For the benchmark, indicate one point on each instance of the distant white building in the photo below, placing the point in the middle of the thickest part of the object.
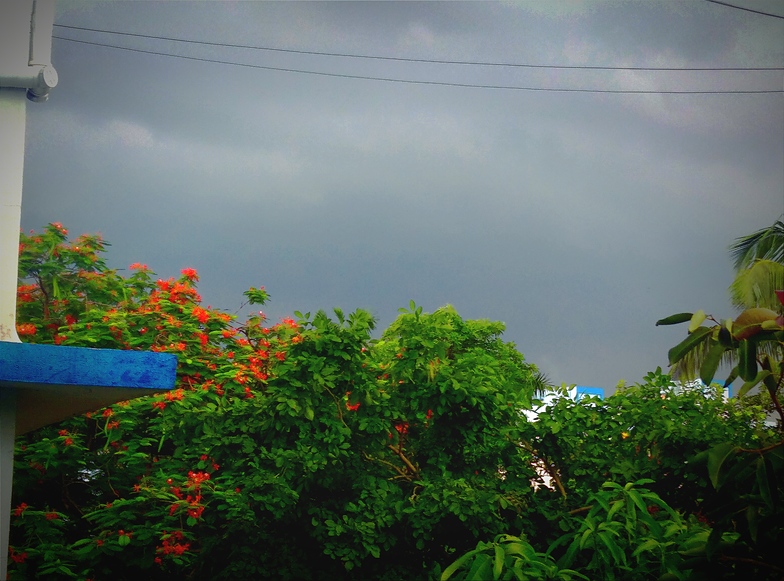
(575, 393)
(698, 384)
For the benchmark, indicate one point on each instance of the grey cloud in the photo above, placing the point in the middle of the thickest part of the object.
(578, 220)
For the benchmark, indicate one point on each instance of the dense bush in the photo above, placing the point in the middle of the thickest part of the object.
(310, 449)
(303, 449)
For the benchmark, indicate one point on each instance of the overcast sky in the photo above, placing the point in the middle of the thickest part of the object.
(576, 218)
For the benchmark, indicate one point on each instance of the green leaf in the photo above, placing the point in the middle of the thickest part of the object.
(716, 458)
(747, 360)
(449, 571)
(770, 383)
(764, 477)
(498, 565)
(648, 545)
(731, 377)
(696, 320)
(618, 557)
(681, 349)
(711, 363)
(481, 568)
(637, 499)
(309, 413)
(750, 384)
(725, 333)
(675, 319)
(616, 506)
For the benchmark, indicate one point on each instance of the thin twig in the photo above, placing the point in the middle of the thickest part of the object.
(751, 562)
(406, 461)
(762, 450)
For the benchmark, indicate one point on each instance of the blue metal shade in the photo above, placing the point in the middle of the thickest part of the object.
(55, 382)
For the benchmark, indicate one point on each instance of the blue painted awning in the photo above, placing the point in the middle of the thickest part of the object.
(582, 390)
(55, 382)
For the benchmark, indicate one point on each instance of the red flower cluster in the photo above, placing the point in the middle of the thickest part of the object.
(290, 323)
(171, 544)
(24, 293)
(200, 314)
(179, 293)
(26, 329)
(193, 508)
(352, 407)
(19, 510)
(196, 478)
(177, 395)
(16, 557)
(59, 227)
(196, 512)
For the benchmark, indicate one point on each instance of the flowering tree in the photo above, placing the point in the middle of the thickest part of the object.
(307, 449)
(300, 449)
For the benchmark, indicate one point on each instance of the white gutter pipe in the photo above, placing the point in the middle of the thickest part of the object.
(25, 71)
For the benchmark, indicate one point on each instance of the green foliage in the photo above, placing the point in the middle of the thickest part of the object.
(307, 449)
(303, 449)
(507, 557)
(755, 286)
(628, 533)
(642, 431)
(631, 533)
(748, 480)
(764, 244)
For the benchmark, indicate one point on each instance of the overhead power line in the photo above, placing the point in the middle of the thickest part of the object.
(728, 5)
(436, 83)
(412, 60)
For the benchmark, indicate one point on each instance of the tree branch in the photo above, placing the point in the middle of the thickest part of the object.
(406, 461)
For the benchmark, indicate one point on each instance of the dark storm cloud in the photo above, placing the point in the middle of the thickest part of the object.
(578, 219)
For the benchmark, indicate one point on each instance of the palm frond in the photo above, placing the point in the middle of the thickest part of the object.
(755, 286)
(542, 384)
(688, 367)
(767, 244)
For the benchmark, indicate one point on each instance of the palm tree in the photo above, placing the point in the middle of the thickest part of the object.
(765, 244)
(759, 264)
(756, 286)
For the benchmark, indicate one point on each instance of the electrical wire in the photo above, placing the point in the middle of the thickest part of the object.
(436, 83)
(413, 60)
(744, 9)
